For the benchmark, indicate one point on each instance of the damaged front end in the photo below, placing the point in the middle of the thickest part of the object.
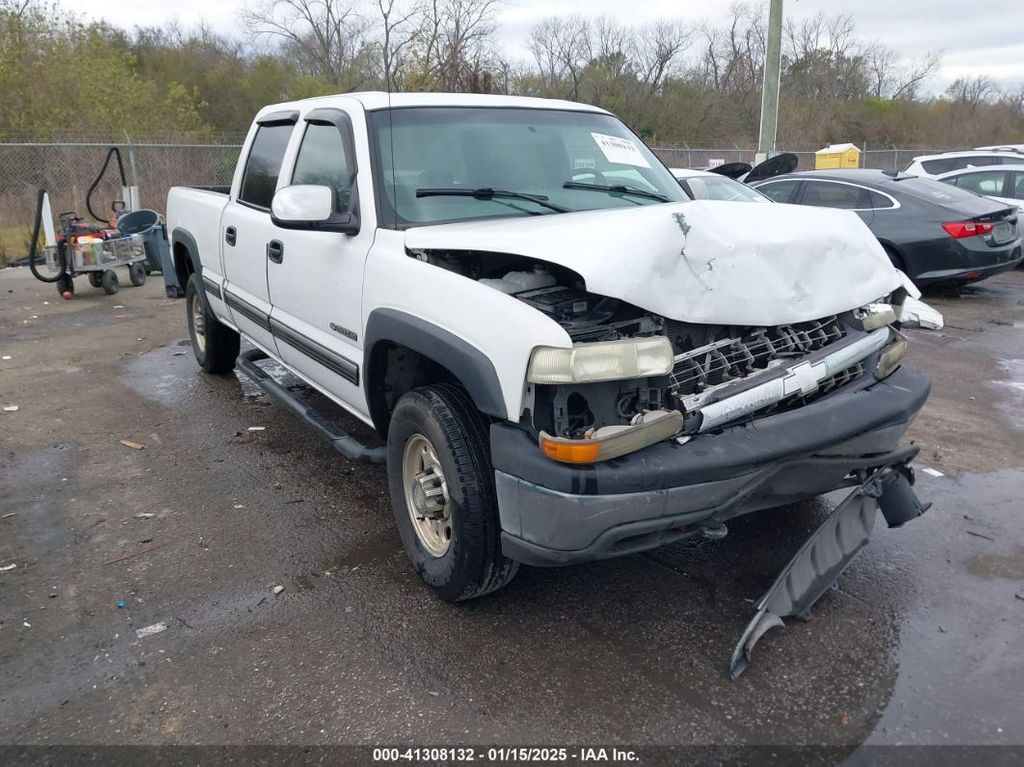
(663, 418)
(830, 550)
(683, 380)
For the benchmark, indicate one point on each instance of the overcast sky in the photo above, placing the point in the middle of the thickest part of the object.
(977, 37)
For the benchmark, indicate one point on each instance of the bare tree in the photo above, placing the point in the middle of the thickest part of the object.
(562, 48)
(453, 42)
(656, 48)
(733, 57)
(833, 34)
(894, 78)
(323, 36)
(972, 91)
(399, 24)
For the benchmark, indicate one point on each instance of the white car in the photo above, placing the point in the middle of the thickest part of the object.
(1003, 183)
(1018, 148)
(933, 165)
(564, 358)
(705, 185)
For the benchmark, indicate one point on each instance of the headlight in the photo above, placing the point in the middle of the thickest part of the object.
(601, 361)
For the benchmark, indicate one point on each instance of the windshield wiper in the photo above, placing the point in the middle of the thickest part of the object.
(616, 189)
(487, 193)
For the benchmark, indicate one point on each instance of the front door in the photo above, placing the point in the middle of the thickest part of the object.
(316, 278)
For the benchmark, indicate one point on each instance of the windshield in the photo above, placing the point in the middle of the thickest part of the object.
(442, 154)
(720, 188)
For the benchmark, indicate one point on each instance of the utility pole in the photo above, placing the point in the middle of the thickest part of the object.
(770, 89)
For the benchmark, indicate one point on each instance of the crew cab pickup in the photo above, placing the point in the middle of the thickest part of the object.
(567, 358)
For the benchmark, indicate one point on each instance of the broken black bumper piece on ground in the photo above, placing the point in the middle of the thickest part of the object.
(830, 550)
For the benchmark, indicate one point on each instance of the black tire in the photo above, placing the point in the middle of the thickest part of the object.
(65, 285)
(473, 564)
(110, 282)
(94, 278)
(218, 350)
(137, 274)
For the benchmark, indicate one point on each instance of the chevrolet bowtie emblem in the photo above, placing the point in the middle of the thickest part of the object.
(803, 378)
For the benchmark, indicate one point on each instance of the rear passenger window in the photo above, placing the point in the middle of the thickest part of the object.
(987, 182)
(322, 161)
(936, 167)
(843, 196)
(264, 164)
(1018, 186)
(880, 201)
(780, 191)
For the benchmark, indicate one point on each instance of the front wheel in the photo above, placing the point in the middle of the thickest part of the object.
(442, 493)
(137, 274)
(109, 282)
(214, 344)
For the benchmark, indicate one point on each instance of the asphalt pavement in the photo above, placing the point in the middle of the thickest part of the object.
(220, 496)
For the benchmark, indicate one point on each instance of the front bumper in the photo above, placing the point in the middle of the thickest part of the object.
(558, 514)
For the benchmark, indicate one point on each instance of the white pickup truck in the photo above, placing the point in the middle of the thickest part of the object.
(567, 358)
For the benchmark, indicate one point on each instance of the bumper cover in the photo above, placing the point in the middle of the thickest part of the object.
(980, 265)
(556, 514)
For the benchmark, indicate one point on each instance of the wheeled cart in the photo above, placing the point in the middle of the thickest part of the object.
(79, 253)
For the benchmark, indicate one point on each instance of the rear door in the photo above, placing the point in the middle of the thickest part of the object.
(246, 229)
(838, 194)
(316, 277)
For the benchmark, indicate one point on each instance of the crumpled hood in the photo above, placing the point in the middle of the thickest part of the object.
(706, 261)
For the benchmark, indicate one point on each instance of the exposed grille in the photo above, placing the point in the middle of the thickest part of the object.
(730, 359)
(831, 383)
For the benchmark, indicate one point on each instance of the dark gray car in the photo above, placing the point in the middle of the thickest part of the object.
(935, 233)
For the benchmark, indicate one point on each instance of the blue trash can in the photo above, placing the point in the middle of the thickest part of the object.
(151, 226)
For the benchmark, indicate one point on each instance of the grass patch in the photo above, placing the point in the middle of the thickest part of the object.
(14, 241)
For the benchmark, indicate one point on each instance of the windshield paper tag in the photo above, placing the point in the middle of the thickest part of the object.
(620, 150)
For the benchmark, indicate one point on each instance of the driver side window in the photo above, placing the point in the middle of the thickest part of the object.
(322, 161)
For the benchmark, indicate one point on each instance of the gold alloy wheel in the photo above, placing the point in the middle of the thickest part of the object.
(426, 495)
(197, 324)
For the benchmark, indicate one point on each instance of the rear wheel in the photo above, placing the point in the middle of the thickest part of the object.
(442, 493)
(214, 344)
(94, 278)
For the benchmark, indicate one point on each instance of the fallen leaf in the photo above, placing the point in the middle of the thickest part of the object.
(132, 445)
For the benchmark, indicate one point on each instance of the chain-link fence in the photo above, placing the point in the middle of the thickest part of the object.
(67, 171)
(700, 157)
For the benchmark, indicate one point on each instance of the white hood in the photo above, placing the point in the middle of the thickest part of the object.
(706, 261)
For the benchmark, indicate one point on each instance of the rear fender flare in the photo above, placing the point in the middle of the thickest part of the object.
(184, 239)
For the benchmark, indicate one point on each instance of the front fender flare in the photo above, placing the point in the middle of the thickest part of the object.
(468, 364)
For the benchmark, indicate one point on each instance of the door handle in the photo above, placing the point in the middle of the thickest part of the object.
(230, 235)
(275, 251)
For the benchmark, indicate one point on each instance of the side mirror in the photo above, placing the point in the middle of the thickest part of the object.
(312, 207)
